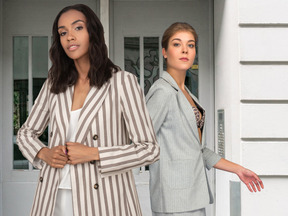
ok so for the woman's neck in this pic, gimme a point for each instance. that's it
(82, 67)
(179, 77)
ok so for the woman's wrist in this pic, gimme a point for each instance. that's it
(95, 154)
(42, 152)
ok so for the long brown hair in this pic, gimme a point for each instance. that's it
(63, 72)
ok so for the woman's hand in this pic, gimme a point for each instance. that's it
(78, 153)
(55, 156)
(250, 179)
(247, 176)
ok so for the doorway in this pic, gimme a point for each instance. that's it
(137, 28)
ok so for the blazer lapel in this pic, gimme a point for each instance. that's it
(92, 103)
(189, 114)
(63, 113)
(184, 105)
(204, 128)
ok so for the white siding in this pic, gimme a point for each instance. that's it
(263, 44)
(264, 121)
(264, 108)
(264, 82)
(266, 157)
(272, 201)
(257, 110)
(259, 11)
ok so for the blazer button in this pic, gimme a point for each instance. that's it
(51, 133)
(93, 162)
(96, 186)
(95, 137)
(41, 179)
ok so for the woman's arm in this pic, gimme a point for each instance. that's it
(36, 123)
(143, 149)
(249, 178)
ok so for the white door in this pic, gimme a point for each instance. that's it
(137, 30)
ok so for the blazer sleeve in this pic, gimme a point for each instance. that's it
(210, 158)
(37, 121)
(143, 149)
(157, 101)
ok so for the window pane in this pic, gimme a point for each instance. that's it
(151, 61)
(39, 70)
(20, 112)
(132, 55)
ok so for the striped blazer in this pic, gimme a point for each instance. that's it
(113, 118)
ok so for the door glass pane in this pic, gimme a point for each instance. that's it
(39, 70)
(151, 61)
(132, 55)
(20, 101)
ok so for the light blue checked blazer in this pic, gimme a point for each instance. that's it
(178, 181)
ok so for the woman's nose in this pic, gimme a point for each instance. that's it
(70, 37)
(184, 51)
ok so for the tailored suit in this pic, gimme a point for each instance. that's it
(113, 118)
(178, 181)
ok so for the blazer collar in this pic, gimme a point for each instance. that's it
(168, 78)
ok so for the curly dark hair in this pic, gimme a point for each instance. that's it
(63, 73)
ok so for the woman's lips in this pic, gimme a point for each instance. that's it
(72, 47)
(184, 59)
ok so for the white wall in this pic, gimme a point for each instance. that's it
(227, 90)
(251, 79)
(264, 138)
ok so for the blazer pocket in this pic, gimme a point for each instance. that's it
(178, 174)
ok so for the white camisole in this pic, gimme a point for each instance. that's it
(65, 182)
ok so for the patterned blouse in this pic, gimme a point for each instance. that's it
(199, 120)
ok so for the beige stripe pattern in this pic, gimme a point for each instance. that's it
(114, 118)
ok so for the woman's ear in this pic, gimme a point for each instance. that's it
(164, 53)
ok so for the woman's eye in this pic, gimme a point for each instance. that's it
(191, 45)
(79, 28)
(62, 33)
(176, 44)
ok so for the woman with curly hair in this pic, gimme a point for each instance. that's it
(99, 126)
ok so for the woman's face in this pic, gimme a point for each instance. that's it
(181, 51)
(74, 36)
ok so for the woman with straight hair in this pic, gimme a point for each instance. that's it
(178, 181)
(98, 121)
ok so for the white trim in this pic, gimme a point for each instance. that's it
(160, 57)
(104, 18)
(142, 62)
